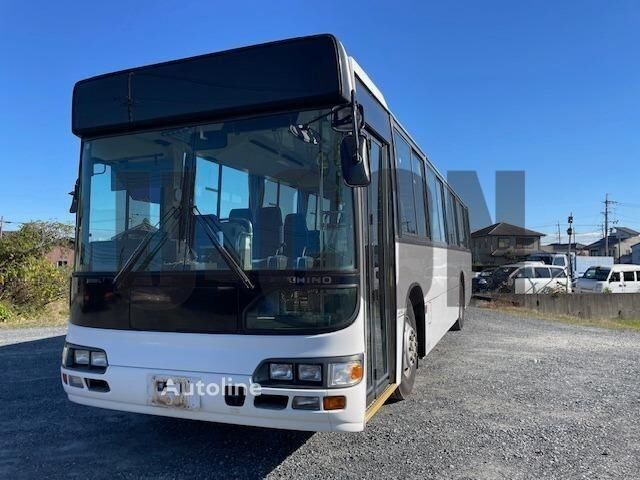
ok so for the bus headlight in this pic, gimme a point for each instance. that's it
(84, 358)
(281, 371)
(98, 359)
(309, 373)
(345, 374)
(81, 357)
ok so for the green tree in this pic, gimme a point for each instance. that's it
(27, 279)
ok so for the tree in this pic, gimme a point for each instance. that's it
(27, 279)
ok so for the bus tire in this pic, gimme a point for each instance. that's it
(461, 310)
(409, 356)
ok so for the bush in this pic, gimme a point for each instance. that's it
(6, 313)
(28, 281)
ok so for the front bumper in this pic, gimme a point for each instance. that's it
(131, 390)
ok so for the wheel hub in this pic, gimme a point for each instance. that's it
(411, 347)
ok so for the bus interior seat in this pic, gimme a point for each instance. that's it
(299, 241)
(241, 213)
(268, 232)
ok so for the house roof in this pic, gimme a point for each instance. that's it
(629, 232)
(576, 245)
(505, 229)
(622, 232)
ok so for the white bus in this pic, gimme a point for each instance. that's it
(256, 217)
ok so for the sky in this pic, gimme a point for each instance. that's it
(548, 88)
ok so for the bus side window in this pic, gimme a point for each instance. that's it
(404, 175)
(452, 231)
(417, 168)
(628, 277)
(436, 207)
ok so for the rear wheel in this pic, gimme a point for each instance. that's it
(461, 309)
(409, 356)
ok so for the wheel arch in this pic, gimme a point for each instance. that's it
(415, 301)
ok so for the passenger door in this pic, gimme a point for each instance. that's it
(615, 283)
(542, 279)
(379, 267)
(524, 280)
(628, 282)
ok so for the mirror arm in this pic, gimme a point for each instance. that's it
(356, 127)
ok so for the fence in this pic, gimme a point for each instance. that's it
(586, 305)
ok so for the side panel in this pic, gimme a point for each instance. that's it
(431, 268)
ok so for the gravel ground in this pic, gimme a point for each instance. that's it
(508, 397)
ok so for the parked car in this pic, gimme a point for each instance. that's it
(614, 279)
(559, 259)
(578, 265)
(480, 283)
(530, 277)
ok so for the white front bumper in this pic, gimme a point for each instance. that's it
(130, 391)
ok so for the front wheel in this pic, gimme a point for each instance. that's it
(409, 357)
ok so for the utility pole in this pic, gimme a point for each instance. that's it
(570, 263)
(607, 202)
(606, 225)
(1, 225)
(559, 241)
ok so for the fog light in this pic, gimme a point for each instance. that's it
(345, 374)
(310, 373)
(281, 371)
(76, 381)
(306, 403)
(81, 357)
(64, 378)
(336, 402)
(98, 359)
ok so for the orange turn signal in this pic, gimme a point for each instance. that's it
(356, 371)
(336, 402)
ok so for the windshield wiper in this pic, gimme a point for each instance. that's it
(127, 268)
(226, 255)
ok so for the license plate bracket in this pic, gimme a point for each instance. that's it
(169, 391)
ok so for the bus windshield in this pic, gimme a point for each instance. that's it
(247, 194)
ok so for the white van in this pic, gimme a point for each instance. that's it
(615, 279)
(531, 277)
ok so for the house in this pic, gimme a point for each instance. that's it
(620, 242)
(576, 247)
(502, 243)
(635, 254)
(62, 255)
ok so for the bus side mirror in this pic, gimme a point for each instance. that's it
(74, 199)
(354, 157)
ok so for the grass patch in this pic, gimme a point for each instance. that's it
(614, 323)
(55, 314)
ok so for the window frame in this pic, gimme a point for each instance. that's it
(413, 152)
(398, 131)
(626, 273)
(440, 185)
(425, 206)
